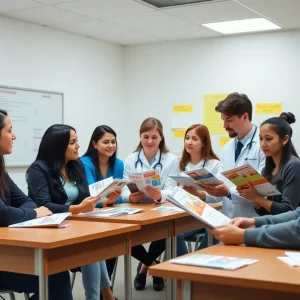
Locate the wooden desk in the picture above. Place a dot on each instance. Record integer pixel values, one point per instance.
(155, 225)
(269, 278)
(46, 251)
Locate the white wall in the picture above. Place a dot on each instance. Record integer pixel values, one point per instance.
(88, 72)
(264, 66)
(121, 86)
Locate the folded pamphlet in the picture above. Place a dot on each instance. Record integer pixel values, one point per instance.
(245, 174)
(139, 181)
(196, 178)
(106, 186)
(112, 212)
(55, 220)
(197, 208)
(214, 261)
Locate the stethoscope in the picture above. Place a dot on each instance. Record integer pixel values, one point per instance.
(249, 145)
(139, 161)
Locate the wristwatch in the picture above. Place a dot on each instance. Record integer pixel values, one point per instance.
(229, 194)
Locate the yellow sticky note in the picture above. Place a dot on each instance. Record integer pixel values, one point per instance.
(212, 119)
(273, 108)
(223, 140)
(184, 108)
(178, 133)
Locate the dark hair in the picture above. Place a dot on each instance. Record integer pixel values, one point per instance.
(207, 152)
(3, 185)
(149, 124)
(281, 125)
(235, 104)
(93, 153)
(52, 151)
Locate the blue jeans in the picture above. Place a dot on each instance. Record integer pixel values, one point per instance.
(94, 278)
(181, 244)
(59, 285)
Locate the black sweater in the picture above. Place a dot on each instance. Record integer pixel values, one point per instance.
(48, 191)
(16, 207)
(288, 186)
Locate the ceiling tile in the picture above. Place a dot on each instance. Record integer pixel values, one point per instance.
(105, 9)
(51, 2)
(111, 33)
(188, 32)
(10, 5)
(47, 15)
(155, 23)
(284, 13)
(212, 12)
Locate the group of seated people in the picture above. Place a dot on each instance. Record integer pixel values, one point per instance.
(58, 182)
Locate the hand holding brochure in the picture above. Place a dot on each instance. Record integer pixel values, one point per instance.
(214, 261)
(138, 181)
(196, 178)
(112, 212)
(55, 220)
(245, 174)
(106, 186)
(197, 208)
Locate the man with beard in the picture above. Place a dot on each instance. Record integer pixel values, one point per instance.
(244, 147)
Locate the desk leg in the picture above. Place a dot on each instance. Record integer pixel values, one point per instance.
(127, 271)
(209, 239)
(174, 254)
(39, 270)
(169, 256)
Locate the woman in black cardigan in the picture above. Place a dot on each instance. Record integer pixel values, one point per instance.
(57, 181)
(16, 207)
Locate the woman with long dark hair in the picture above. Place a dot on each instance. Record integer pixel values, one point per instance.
(282, 167)
(100, 161)
(16, 207)
(57, 180)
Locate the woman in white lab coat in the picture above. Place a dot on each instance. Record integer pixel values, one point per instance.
(197, 153)
(151, 154)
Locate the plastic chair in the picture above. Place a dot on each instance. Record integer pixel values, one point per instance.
(197, 239)
(12, 295)
(113, 277)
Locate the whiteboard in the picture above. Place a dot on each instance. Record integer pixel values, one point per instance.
(31, 113)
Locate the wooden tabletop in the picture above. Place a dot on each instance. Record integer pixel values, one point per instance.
(268, 273)
(48, 238)
(149, 216)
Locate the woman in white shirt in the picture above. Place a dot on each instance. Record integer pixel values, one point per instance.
(151, 154)
(197, 154)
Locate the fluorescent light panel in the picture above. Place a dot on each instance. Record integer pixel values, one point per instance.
(240, 26)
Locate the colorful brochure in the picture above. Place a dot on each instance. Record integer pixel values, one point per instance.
(55, 220)
(214, 261)
(138, 182)
(245, 174)
(197, 208)
(196, 178)
(112, 212)
(106, 186)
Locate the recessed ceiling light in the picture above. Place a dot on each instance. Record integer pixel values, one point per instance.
(240, 26)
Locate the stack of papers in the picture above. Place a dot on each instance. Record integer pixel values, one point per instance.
(112, 212)
(167, 208)
(197, 208)
(55, 220)
(214, 261)
(291, 258)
